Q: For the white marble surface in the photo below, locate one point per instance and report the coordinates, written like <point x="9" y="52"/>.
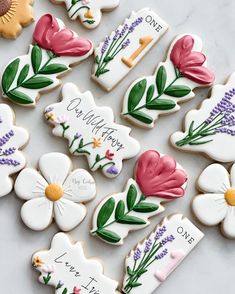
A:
<point x="210" y="267"/>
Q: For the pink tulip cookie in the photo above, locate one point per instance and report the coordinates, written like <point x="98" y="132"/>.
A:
<point x="158" y="178"/>
<point x="125" y="47"/>
<point x="88" y="11"/>
<point x="91" y="131"/>
<point x="172" y="83"/>
<point x="156" y="257"/>
<point x="65" y="267"/>
<point x="12" y="138"/>
<point x="217" y="203"/>
<point x="54" y="193"/>
<point x="55" y="48"/>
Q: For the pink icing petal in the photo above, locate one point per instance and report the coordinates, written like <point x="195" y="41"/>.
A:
<point x="193" y="59"/>
<point x="181" y="49"/>
<point x="199" y="74"/>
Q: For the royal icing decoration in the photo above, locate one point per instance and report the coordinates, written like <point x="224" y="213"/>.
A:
<point x="125" y="47"/>
<point x="14" y="14"/>
<point x="88" y="11"/>
<point x="55" y="49"/>
<point x="91" y="131"/>
<point x="12" y="138"/>
<point x="211" y="128"/>
<point x="154" y="259"/>
<point x="172" y="83"/>
<point x="54" y="193"/>
<point x="66" y="268"/>
<point x="158" y="178"/>
<point x="217" y="204"/>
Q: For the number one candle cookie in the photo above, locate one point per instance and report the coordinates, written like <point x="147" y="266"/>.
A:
<point x="66" y="268"/>
<point x="55" y="49"/>
<point x="153" y="259"/>
<point x="158" y="178"/>
<point x="88" y="11"/>
<point x="91" y="131"/>
<point x="125" y="47"/>
<point x="172" y="83"/>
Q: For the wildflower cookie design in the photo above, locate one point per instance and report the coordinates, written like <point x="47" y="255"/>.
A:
<point x="55" y="193"/>
<point x="66" y="268"/>
<point x="217" y="203"/>
<point x="158" y="178"/>
<point x="88" y="11"/>
<point x="12" y="138"/>
<point x="211" y="128"/>
<point x="172" y="83"/>
<point x="125" y="47"/>
<point x="91" y="131"/>
<point x="154" y="258"/>
<point x="14" y="14"/>
<point x="55" y="48"/>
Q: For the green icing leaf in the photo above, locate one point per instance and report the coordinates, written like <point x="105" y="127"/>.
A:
<point x="131" y="197"/>
<point x="97" y="60"/>
<point x="36" y="58"/>
<point x="120" y="209"/>
<point x="149" y="94"/>
<point x="105" y="212"/>
<point x="134" y="285"/>
<point x="19" y="97"/>
<point x="97" y="158"/>
<point x="65" y="291"/>
<point x="23" y="75"/>
<point x="108" y="236"/>
<point x="141" y="116"/>
<point x="53" y="69"/>
<point x="161" y="104"/>
<point x="131" y="220"/>
<point x="190" y="131"/>
<point x="9" y="74"/>
<point x="145" y="207"/>
<point x="177" y="91"/>
<point x="81" y="143"/>
<point x="37" y="83"/>
<point x="161" y="79"/>
<point x="136" y="94"/>
<point x="129" y="271"/>
<point x="83" y="151"/>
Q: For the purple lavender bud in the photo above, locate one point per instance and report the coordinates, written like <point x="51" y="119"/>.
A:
<point x="126" y="43"/>
<point x="162" y="254"/>
<point x="160" y="233"/>
<point x="6" y="138"/>
<point x="49" y="109"/>
<point x="169" y="238"/>
<point x="117" y="35"/>
<point x="123" y="31"/>
<point x="77" y="135"/>
<point x="112" y="170"/>
<point x="148" y="245"/>
<point x="137" y="254"/>
<point x="9" y="151"/>
<point x="10" y="162"/>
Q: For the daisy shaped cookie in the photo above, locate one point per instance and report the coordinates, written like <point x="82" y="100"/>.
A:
<point x="55" y="193"/>
<point x="14" y="14"/>
<point x="218" y="203"/>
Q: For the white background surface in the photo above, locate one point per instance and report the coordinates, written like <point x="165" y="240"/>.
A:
<point x="210" y="267"/>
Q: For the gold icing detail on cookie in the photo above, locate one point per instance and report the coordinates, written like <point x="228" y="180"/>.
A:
<point x="89" y="14"/>
<point x="54" y="192"/>
<point x="229" y="196"/>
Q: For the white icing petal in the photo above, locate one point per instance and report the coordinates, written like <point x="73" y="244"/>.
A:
<point x="55" y="167"/>
<point x="7" y="187"/>
<point x="232" y="175"/>
<point x="210" y="209"/>
<point x="37" y="213"/>
<point x="228" y="225"/>
<point x="68" y="214"/>
<point x="30" y="184"/>
<point x="214" y="179"/>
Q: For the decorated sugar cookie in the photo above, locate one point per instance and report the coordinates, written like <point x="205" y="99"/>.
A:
<point x="88" y="11"/>
<point x="211" y="128"/>
<point x="172" y="83"/>
<point x="14" y="14"/>
<point x="91" y="131"/>
<point x="54" y="193"/>
<point x="66" y="268"/>
<point x="55" y="48"/>
<point x="124" y="48"/>
<point x="217" y="203"/>
<point x="12" y="138"/>
<point x="158" y="178"/>
<point x="156" y="257"/>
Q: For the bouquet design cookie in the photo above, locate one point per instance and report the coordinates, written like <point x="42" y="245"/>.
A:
<point x="172" y="83"/>
<point x="12" y="138"/>
<point x="66" y="268"/>
<point x="54" y="193"/>
<point x="158" y="178"/>
<point x="217" y="203"/>
<point x="211" y="128"/>
<point x="55" y="48"/>
<point x="14" y="15"/>
<point x="91" y="131"/>
<point x="88" y="11"/>
<point x="125" y="47"/>
<point x="154" y="259"/>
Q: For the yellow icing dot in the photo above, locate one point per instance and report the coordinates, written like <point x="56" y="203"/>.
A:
<point x="229" y="196"/>
<point x="54" y="192"/>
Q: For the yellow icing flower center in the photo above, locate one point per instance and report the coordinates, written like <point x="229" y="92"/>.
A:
<point x="5" y="6"/>
<point x="229" y="196"/>
<point x="54" y="192"/>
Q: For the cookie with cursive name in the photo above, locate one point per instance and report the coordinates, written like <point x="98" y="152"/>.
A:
<point x="126" y="46"/>
<point x="158" y="178"/>
<point x="66" y="268"/>
<point x="54" y="193"/>
<point x="153" y="259"/>
<point x="91" y="131"/>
